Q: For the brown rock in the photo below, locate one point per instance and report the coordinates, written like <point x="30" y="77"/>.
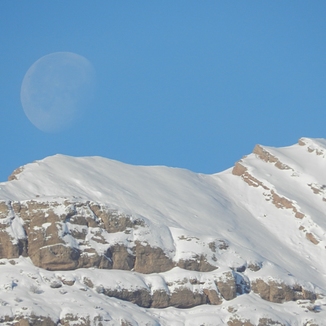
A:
<point x="126" y="323"/>
<point x="34" y="320"/>
<point x="213" y="297"/>
<point x="282" y="202"/>
<point x="113" y="221"/>
<point x="68" y="282"/>
<point x="280" y="292"/>
<point x="266" y="156"/>
<point x="262" y="288"/>
<point x="223" y="245"/>
<point x="255" y="267"/>
<point x="233" y="321"/>
<point x="140" y="297"/>
<point x="9" y="247"/>
<point x="227" y="286"/>
<point x="198" y="263"/>
<point x="308" y="295"/>
<point x="239" y="169"/>
<point x="46" y="247"/>
<point x="151" y="260"/>
<point x="121" y="258"/>
<point x="160" y="299"/>
<point x="268" y="322"/>
<point x="242" y="171"/>
<point x="90" y="258"/>
<point x="88" y="282"/>
<point x="185" y="298"/>
<point x="56" y="257"/>
<point x="4" y="209"/>
<point x="312" y="238"/>
<point x="70" y="319"/>
<point x="14" y="175"/>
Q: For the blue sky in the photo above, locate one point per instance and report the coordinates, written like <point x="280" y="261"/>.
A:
<point x="190" y="84"/>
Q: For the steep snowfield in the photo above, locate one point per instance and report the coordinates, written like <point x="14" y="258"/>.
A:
<point x="271" y="213"/>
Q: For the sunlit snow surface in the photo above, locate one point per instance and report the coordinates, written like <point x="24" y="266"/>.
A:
<point x="175" y="203"/>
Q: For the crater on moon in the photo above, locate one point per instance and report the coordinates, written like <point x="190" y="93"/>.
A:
<point x="56" y="90"/>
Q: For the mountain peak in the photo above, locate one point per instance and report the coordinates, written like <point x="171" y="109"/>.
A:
<point x="166" y="237"/>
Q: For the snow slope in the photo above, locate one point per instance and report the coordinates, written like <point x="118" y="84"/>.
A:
<point x="271" y="213"/>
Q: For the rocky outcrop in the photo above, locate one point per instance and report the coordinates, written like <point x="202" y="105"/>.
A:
<point x="121" y="257"/>
<point x="112" y="221"/>
<point x="31" y="320"/>
<point x="266" y="156"/>
<point x="197" y="263"/>
<point x="14" y="175"/>
<point x="237" y="321"/>
<point x="280" y="292"/>
<point x="234" y="321"/>
<point x="151" y="260"/>
<point x="227" y="286"/>
<point x="10" y="246"/>
<point x="184" y="293"/>
<point x="279" y="201"/>
<point x="184" y="268"/>
<point x="312" y="238"/>
<point x="66" y="235"/>
<point x="140" y="297"/>
<point x="185" y="298"/>
<point x="311" y="146"/>
<point x="271" y="195"/>
<point x="240" y="170"/>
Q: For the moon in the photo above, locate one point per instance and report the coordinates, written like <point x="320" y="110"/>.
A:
<point x="56" y="90"/>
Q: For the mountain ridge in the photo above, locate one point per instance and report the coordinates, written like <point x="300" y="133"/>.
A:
<point x="252" y="232"/>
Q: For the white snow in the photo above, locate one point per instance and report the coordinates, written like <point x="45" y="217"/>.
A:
<point x="184" y="212"/>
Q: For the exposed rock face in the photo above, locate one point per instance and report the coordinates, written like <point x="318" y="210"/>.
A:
<point x="140" y="297"/>
<point x="280" y="292"/>
<point x="198" y="263"/>
<point x="185" y="298"/>
<point x="112" y="221"/>
<point x="264" y="155"/>
<point x="10" y="246"/>
<point x="268" y="322"/>
<point x="239" y="322"/>
<point x="160" y="299"/>
<point x="121" y="258"/>
<point x="71" y="319"/>
<point x="60" y="236"/>
<point x="56" y="257"/>
<point x="240" y="170"/>
<point x="213" y="297"/>
<point x="227" y="286"/>
<point x="14" y="175"/>
<point x="63" y="236"/>
<point x="151" y="260"/>
<point x="279" y="201"/>
<point x="28" y="321"/>
<point x="180" y="294"/>
<point x="311" y="238"/>
<point x="271" y="195"/>
<point x="180" y="298"/>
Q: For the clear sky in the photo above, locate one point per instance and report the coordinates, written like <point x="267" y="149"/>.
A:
<point x="190" y="84"/>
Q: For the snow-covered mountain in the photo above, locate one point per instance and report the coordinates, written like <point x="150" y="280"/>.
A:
<point x="92" y="241"/>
